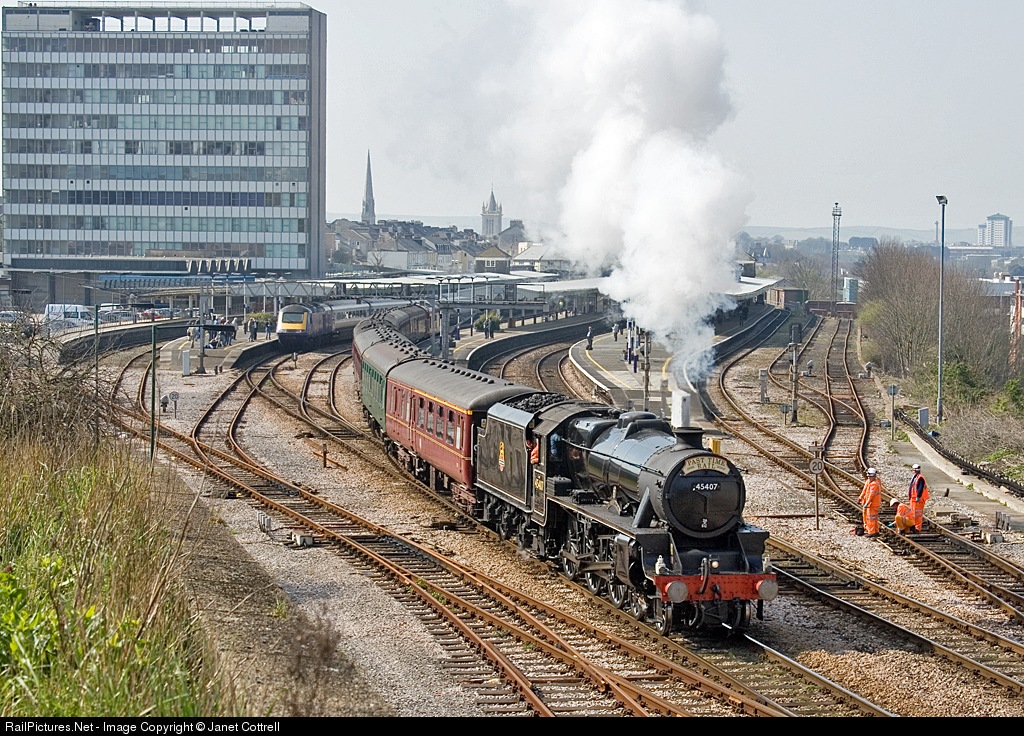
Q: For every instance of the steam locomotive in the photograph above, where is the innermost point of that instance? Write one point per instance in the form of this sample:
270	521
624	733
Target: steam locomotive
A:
621	501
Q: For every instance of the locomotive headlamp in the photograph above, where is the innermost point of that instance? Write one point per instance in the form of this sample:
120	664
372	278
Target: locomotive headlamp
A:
767	590
714	564
677	591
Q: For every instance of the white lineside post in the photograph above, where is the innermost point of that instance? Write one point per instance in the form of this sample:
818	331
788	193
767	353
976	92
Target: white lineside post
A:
680	409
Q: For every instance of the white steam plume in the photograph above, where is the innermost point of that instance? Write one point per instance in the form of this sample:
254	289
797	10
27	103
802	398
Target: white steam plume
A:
602	109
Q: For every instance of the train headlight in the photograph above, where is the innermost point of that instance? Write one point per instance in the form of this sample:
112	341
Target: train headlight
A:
714	564
767	590
677	591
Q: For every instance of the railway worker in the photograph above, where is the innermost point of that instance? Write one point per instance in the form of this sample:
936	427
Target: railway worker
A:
554	446
904	516
918	495
870	500
534	448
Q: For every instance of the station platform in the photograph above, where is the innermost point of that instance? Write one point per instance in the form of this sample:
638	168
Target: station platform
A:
472	341
172	353
632	385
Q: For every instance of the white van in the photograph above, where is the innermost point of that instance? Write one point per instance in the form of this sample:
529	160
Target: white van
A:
77	314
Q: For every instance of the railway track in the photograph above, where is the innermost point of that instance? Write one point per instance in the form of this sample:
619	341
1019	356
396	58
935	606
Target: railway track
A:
937	551
882	613
812	706
532	654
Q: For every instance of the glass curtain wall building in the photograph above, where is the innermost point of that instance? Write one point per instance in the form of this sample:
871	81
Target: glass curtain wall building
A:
187	137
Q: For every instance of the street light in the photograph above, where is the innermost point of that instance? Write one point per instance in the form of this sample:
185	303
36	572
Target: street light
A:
942	266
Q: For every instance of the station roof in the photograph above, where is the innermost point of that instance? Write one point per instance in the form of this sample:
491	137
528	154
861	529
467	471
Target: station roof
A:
744	288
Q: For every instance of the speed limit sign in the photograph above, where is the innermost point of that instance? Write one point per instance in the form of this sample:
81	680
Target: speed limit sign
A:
173	396
816	465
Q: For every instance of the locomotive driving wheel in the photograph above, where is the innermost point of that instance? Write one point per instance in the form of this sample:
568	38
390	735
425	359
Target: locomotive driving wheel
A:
618	592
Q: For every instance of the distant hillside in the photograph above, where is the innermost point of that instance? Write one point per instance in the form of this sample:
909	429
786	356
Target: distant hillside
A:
861	231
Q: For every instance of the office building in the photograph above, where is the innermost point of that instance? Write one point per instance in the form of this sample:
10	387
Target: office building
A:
176	138
996	231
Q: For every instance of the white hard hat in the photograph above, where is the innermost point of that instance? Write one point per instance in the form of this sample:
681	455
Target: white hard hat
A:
894	502
871	471
917	466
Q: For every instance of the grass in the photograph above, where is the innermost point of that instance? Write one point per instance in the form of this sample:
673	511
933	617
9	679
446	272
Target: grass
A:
92	619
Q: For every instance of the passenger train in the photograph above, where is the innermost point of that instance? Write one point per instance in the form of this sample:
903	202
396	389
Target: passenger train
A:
621	501
309	325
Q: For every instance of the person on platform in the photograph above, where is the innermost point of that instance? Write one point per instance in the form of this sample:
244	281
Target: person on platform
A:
917	494
904	517
870	500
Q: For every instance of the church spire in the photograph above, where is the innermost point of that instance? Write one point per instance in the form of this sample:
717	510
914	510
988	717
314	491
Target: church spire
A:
368	217
491	217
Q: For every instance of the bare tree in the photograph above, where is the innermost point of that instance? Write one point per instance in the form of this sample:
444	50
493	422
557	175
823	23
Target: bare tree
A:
805	271
900	307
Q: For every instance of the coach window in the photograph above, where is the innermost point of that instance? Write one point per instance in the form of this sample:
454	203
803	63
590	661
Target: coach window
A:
419	415
458	432
430	418
450	438
440	422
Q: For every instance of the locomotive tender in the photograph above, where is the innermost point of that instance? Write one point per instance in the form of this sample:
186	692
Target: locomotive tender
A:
625	504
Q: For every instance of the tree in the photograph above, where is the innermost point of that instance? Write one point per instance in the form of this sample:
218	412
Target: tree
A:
898	311
803	271
900	307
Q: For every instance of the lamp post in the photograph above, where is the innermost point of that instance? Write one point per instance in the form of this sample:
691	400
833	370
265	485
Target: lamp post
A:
942	267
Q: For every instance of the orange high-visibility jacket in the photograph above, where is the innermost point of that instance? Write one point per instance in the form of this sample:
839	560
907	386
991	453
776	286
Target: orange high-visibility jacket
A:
918	487
871	494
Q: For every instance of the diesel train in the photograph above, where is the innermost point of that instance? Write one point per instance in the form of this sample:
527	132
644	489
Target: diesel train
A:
310	325
630	507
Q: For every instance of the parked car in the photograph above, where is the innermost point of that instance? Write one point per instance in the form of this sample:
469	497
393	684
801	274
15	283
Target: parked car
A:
116	317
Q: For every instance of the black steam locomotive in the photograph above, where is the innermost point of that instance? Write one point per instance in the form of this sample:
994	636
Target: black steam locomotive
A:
624	503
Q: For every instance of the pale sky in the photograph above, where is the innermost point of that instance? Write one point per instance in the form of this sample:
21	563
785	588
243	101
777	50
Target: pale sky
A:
877	104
